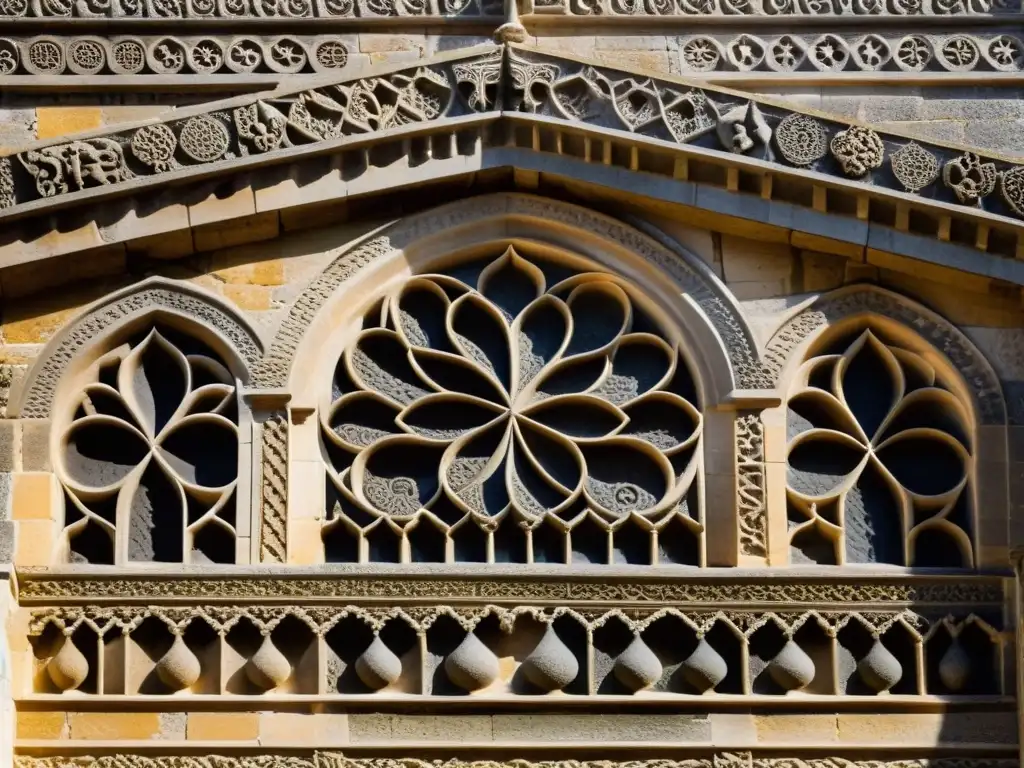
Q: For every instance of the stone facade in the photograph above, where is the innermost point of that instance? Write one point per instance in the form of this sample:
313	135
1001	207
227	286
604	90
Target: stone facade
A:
569	383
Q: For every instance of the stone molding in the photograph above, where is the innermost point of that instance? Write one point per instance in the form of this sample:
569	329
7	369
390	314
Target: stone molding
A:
167	55
836	52
637	585
270	10
338	760
151	297
867	300
481	82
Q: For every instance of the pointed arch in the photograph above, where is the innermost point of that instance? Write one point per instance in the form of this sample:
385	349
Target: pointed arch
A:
197	311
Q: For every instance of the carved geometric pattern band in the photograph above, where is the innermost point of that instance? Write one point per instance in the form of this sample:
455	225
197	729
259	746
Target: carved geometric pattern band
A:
507	79
351	650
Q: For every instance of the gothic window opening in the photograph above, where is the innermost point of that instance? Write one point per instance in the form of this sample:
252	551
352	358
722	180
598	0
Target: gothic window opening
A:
513	409
149	457
880	457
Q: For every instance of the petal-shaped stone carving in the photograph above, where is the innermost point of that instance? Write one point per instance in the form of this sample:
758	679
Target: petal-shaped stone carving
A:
421	314
573	375
704	668
447	415
925	461
601	313
179	668
472	665
268	668
202	450
379	362
511	283
540	335
359	419
378	666
557	459
822	462
626	475
879	669
398	475
68	668
792	668
870	382
101	451
474	469
154	379
663	419
551	665
642	363
447	372
480	333
578	416
637	667
955	666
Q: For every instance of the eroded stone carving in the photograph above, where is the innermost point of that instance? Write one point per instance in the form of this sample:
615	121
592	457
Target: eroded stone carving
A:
149	456
801	139
525	396
75	166
154	145
743	129
858	150
914	166
1011	185
753	513
970	178
865	418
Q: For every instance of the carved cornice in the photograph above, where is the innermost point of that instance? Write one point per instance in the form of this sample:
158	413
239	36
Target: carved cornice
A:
506	585
486	83
338	760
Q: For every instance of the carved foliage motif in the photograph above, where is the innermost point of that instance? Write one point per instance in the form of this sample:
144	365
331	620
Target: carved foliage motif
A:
879	459
776	8
750	480
887	647
150	456
519	394
246	9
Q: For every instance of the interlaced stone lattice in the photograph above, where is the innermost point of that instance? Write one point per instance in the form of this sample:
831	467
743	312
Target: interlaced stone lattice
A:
879	458
858	150
46	57
204	138
148	456
512	386
802	140
129	56
154	145
914	166
1011	184
86	57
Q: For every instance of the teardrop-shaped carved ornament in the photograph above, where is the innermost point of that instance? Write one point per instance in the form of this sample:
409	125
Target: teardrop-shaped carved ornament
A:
69	667
551	665
378	666
472	665
879	669
955	666
792	668
268	668
179	668
704	668
637	667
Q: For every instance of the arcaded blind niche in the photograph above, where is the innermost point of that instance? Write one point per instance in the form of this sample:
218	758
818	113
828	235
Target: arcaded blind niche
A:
880	454
514	408
147	454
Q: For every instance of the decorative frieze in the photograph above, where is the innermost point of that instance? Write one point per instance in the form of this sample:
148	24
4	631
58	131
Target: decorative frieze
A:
338	760
484	82
271	10
442	650
778	9
51	56
836	52
512	585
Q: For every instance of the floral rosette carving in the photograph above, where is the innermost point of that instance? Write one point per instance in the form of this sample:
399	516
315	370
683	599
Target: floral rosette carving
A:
149	460
513	386
879	459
